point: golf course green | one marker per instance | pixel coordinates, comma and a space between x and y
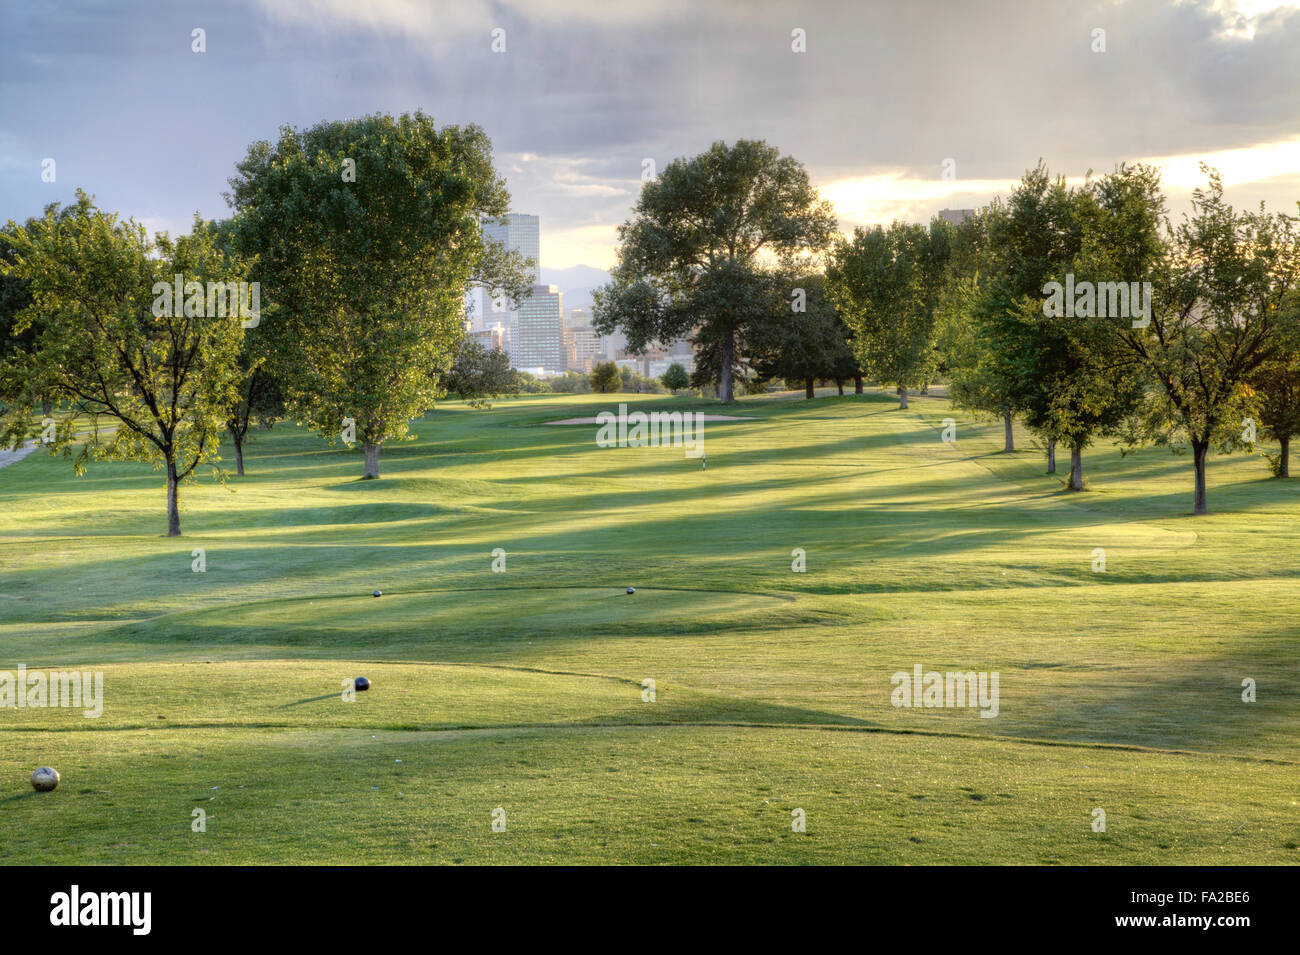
684, 723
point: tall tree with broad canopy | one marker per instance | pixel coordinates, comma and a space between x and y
1081, 380
886, 284
1217, 318
693, 258
104, 343
1026, 241
369, 233
804, 339
967, 346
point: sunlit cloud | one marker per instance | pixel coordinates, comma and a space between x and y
1241, 17
582, 245
884, 196
1238, 166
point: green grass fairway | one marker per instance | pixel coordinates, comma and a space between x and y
525, 690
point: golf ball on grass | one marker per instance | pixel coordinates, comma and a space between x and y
45, 779
361, 683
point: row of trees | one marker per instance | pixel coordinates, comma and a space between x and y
365, 236
1181, 335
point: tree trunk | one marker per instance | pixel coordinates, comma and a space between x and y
173, 504
46, 408
809, 388
857, 384
1284, 456
839, 383
1076, 469
1011, 439
372, 460
902, 397
925, 388
239, 453
724, 372
1200, 452
1051, 455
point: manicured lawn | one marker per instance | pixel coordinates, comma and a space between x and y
524, 690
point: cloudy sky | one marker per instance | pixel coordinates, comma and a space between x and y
587, 90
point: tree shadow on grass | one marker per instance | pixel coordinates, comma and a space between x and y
19, 797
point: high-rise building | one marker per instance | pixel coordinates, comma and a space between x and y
518, 233
956, 216
494, 338
540, 339
582, 347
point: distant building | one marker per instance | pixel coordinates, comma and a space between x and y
582, 347
654, 360
495, 338
540, 339
613, 345
578, 317
956, 216
518, 233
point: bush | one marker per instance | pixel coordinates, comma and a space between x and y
571, 383
605, 378
526, 384
675, 378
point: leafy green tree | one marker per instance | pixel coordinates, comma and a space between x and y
479, 374
368, 234
676, 378
804, 338
527, 384
690, 261
1276, 386
965, 349
258, 400
1011, 250
571, 383
104, 341
886, 283
15, 297
1079, 380
1217, 318
605, 378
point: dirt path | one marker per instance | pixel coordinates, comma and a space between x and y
10, 457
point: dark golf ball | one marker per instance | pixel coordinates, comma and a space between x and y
631, 590
379, 593
361, 683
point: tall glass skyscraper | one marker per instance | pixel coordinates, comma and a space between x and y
521, 234
518, 233
540, 341
534, 330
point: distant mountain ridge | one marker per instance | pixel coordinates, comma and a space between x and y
576, 283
